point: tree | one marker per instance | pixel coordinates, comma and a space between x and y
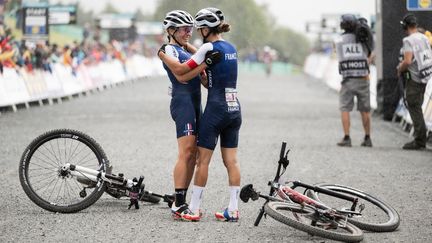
250, 26
109, 8
13, 5
139, 16
290, 44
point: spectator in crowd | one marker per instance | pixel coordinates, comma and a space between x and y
416, 67
40, 55
354, 59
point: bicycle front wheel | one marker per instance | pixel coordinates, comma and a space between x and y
376, 216
54, 189
302, 218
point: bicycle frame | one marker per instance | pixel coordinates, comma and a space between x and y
95, 175
116, 181
287, 193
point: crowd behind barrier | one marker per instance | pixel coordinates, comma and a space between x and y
325, 68
19, 86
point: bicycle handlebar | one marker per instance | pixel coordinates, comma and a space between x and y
282, 152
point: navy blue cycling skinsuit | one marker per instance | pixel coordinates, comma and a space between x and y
185, 104
222, 114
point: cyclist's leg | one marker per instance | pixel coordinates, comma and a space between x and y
208, 134
202, 166
185, 165
200, 180
229, 143
183, 172
182, 112
229, 156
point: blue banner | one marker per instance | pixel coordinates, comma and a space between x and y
419, 5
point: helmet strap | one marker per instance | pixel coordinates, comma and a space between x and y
206, 36
172, 36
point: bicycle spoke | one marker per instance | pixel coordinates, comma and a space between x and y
85, 157
38, 182
73, 153
53, 151
46, 162
45, 168
56, 161
55, 188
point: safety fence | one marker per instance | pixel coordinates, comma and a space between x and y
325, 68
280, 68
22, 88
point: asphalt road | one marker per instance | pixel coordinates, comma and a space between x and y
133, 125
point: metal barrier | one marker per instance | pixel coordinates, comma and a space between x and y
19, 87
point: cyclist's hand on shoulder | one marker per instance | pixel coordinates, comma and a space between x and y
212, 58
161, 49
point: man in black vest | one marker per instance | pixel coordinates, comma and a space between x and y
416, 68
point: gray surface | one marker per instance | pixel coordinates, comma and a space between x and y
133, 125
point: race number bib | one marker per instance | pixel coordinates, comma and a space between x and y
231, 99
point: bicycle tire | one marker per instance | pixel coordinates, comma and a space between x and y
46, 154
294, 217
380, 210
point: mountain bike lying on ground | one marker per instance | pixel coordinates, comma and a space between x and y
67, 171
328, 210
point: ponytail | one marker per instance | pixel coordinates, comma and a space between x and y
223, 27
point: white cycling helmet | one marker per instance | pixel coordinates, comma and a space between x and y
177, 18
208, 17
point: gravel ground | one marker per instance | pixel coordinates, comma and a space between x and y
133, 125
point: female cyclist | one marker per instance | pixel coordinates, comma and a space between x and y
185, 108
222, 115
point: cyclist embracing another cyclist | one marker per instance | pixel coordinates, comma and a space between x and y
185, 107
222, 115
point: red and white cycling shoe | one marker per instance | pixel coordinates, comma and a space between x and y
185, 214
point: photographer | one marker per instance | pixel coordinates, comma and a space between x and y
354, 50
416, 68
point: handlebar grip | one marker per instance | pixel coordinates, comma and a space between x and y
282, 153
140, 181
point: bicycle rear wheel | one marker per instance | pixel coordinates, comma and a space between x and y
302, 218
47, 185
377, 215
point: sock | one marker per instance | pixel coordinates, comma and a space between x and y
346, 137
180, 194
367, 136
196, 198
234, 195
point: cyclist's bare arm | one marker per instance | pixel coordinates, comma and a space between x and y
181, 68
191, 48
186, 77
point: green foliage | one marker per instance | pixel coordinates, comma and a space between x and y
12, 5
109, 8
251, 26
140, 16
290, 44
